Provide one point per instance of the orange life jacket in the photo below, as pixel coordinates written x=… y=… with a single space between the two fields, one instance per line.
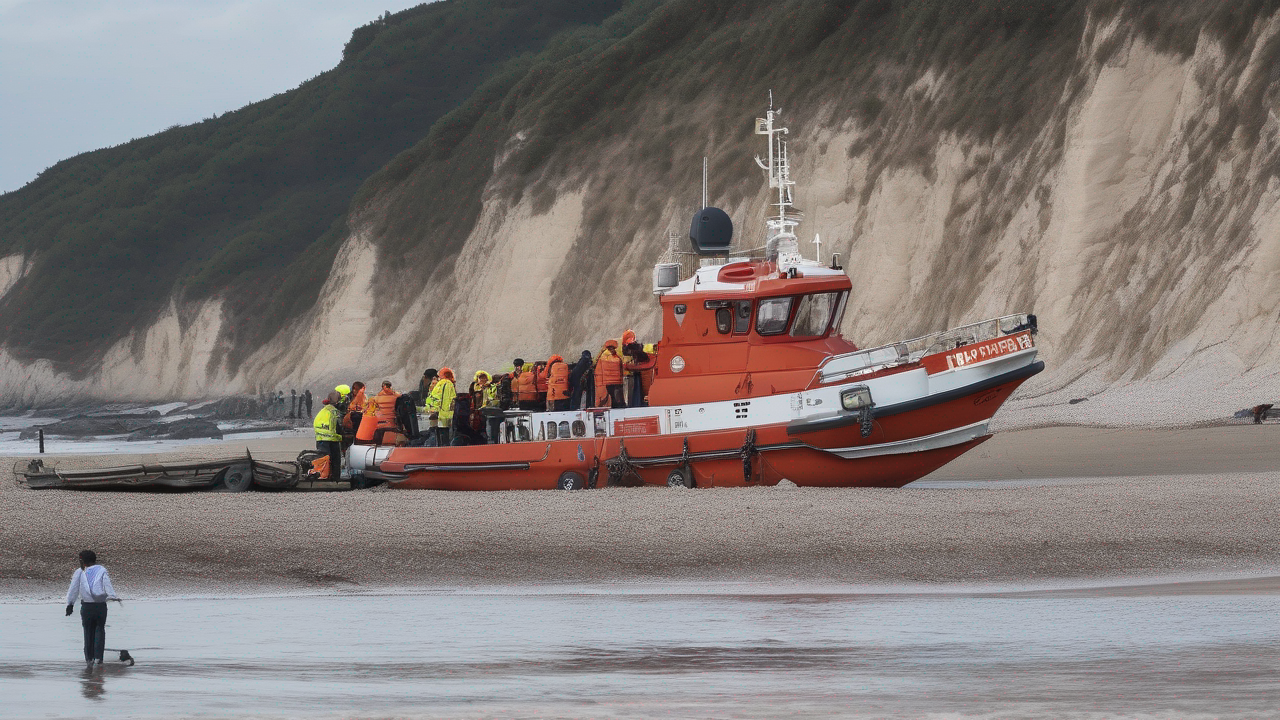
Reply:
x=557 y=379
x=526 y=387
x=609 y=369
x=383 y=405
x=540 y=379
x=357 y=405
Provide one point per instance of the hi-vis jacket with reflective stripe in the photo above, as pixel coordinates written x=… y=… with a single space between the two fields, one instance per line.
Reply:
x=441 y=401
x=326 y=424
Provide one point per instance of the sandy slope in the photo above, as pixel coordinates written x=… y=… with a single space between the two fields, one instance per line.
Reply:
x=1141 y=224
x=1158 y=502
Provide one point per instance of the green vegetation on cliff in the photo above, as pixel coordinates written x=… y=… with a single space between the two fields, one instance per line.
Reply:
x=249 y=205
x=407 y=132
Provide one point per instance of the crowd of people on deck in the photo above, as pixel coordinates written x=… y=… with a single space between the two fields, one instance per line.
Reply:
x=619 y=375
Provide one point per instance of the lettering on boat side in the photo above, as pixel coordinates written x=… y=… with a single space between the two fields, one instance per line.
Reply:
x=986 y=350
x=636 y=426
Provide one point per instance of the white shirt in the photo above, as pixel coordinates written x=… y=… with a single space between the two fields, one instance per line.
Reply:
x=87 y=583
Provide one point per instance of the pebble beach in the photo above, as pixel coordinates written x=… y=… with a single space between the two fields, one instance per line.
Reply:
x=1033 y=506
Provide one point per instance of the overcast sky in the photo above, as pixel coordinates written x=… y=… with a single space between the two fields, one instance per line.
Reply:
x=76 y=75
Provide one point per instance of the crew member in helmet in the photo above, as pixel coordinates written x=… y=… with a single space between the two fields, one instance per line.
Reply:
x=344 y=398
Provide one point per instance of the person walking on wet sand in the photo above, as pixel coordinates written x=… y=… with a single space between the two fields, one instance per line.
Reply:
x=91 y=585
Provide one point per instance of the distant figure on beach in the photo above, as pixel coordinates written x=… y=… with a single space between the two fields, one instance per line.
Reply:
x=307 y=401
x=91 y=585
x=293 y=404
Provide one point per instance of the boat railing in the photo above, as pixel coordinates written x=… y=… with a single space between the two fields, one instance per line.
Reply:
x=910 y=351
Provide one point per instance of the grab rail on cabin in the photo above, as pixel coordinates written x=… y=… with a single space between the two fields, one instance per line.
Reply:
x=852 y=364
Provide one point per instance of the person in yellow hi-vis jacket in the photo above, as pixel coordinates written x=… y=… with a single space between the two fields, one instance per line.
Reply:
x=329 y=437
x=440 y=406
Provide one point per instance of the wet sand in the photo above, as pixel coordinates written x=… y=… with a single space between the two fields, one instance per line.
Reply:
x=1092 y=504
x=601 y=653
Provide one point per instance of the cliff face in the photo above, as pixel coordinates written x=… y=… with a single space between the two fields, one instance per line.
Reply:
x=1111 y=167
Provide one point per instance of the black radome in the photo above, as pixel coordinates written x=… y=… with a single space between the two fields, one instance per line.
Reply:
x=711 y=232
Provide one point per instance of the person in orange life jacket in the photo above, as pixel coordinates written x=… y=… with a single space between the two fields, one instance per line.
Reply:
x=384 y=405
x=524 y=387
x=639 y=366
x=581 y=383
x=540 y=383
x=355 y=411
x=609 y=376
x=557 y=383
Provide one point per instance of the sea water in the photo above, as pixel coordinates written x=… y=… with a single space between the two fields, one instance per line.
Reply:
x=630 y=652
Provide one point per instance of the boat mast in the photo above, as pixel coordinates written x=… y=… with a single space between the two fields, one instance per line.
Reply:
x=782 y=245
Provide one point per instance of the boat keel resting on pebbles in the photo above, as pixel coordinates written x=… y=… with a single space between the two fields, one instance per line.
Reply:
x=753 y=384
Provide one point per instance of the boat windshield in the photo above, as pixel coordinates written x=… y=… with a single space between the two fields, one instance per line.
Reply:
x=772 y=315
x=814 y=314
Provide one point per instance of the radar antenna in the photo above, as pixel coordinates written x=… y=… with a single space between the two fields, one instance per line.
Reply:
x=704 y=181
x=782 y=245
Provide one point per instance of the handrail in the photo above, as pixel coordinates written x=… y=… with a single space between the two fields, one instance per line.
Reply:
x=910 y=351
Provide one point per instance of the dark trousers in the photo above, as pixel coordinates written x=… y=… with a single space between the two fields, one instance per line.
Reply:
x=93 y=617
x=616 y=399
x=533 y=405
x=560 y=405
x=334 y=450
x=637 y=391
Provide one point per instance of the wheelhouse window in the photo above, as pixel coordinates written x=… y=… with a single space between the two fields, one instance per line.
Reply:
x=724 y=319
x=724 y=314
x=839 y=316
x=772 y=315
x=814 y=314
x=742 y=317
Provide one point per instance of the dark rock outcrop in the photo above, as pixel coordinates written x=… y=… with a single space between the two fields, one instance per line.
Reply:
x=178 y=430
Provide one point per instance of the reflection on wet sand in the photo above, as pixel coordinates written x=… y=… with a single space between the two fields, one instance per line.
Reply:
x=93 y=684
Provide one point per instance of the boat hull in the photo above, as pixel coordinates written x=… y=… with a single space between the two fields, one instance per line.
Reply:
x=907 y=441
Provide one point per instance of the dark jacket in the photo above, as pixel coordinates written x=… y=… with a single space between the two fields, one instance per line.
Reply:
x=505 y=399
x=579 y=369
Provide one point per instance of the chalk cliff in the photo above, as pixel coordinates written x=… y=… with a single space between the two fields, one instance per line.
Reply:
x=1112 y=167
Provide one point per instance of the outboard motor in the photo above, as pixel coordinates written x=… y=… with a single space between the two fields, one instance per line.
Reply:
x=711 y=232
